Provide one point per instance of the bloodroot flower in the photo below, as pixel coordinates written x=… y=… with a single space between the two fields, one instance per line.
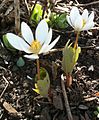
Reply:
x=80 y=22
x=33 y=47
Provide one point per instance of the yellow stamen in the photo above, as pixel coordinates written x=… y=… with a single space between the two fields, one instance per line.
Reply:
x=84 y=22
x=35 y=46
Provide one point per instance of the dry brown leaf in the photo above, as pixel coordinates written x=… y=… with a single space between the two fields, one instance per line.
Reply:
x=82 y=117
x=83 y=107
x=57 y=101
x=97 y=94
x=86 y=116
x=9 y=108
x=75 y=117
x=90 y=99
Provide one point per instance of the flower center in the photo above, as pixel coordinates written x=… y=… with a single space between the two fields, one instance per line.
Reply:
x=84 y=22
x=35 y=46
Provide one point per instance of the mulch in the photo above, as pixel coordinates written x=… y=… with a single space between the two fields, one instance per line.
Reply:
x=20 y=102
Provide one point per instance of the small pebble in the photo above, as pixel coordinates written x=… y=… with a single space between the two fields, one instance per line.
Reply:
x=83 y=107
x=11 y=82
x=25 y=84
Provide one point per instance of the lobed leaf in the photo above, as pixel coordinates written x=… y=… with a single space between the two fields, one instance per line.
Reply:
x=42 y=85
x=70 y=57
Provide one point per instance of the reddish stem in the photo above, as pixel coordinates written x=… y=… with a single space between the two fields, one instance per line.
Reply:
x=38 y=69
x=76 y=41
x=68 y=80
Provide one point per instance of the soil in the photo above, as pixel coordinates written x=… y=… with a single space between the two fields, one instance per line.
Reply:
x=20 y=102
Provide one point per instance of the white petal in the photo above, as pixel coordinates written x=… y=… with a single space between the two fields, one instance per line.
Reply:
x=43 y=49
x=51 y=45
x=98 y=115
x=69 y=20
x=78 y=23
x=18 y=42
x=27 y=32
x=91 y=17
x=41 y=31
x=88 y=26
x=48 y=40
x=85 y=15
x=74 y=14
x=32 y=57
x=49 y=37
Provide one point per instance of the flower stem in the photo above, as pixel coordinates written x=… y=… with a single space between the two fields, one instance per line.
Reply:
x=38 y=69
x=68 y=80
x=76 y=41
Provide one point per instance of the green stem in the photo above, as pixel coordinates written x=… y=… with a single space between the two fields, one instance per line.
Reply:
x=76 y=41
x=38 y=69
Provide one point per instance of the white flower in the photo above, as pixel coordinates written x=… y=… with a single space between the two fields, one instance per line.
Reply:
x=98 y=115
x=80 y=22
x=34 y=47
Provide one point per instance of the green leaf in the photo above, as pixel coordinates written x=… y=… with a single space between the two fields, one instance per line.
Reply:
x=37 y=13
x=58 y=20
x=20 y=62
x=61 y=21
x=98 y=108
x=7 y=44
x=96 y=112
x=70 y=57
x=42 y=85
x=52 y=19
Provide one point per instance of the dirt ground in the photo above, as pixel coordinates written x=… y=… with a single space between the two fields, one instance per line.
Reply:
x=19 y=101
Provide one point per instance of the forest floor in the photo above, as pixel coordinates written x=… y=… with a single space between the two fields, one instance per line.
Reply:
x=20 y=102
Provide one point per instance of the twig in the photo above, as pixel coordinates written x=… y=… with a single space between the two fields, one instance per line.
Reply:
x=66 y=99
x=76 y=1
x=3 y=3
x=27 y=7
x=54 y=70
x=61 y=49
x=54 y=50
x=60 y=9
x=5 y=87
x=17 y=16
x=63 y=32
x=88 y=47
x=87 y=4
x=55 y=116
x=96 y=28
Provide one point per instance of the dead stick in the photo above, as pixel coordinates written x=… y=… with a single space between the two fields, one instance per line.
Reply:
x=87 y=4
x=66 y=99
x=61 y=49
x=63 y=9
x=17 y=16
x=5 y=87
x=76 y=1
x=27 y=6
